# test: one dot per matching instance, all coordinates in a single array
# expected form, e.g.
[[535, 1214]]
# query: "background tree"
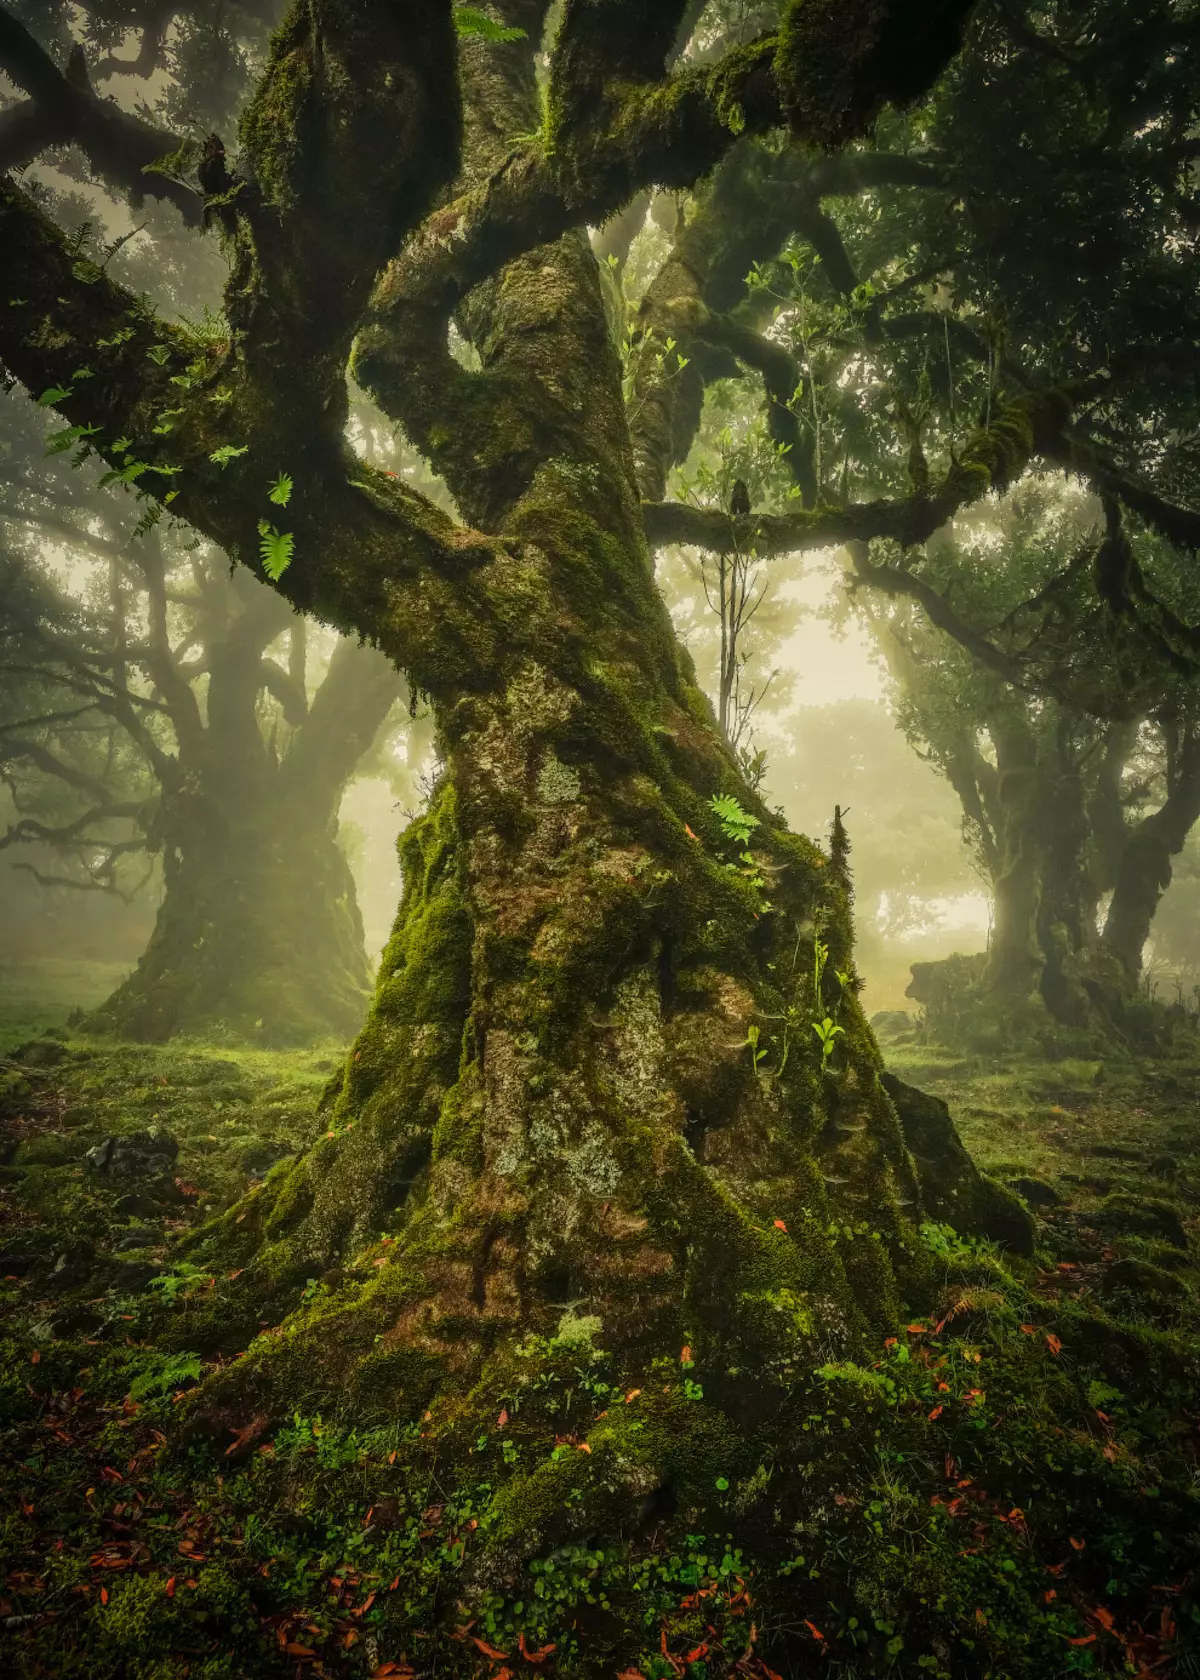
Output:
[[616, 1059], [188, 693]]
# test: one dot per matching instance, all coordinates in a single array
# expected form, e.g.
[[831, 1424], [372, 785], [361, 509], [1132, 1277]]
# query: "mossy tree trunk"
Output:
[[588, 1101], [258, 935]]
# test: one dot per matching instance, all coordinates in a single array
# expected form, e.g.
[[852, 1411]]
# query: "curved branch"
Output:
[[63, 109]]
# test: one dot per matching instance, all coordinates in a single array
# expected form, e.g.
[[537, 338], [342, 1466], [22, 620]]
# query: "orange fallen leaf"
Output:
[[780, 1226], [698, 1654], [1087, 1639], [104, 1595], [502, 1419], [936, 1413], [35, 1358], [685, 1356], [980, 1617], [169, 1589], [689, 832], [1050, 1595], [533, 1656], [294, 1649], [489, 1650], [583, 1447], [1076, 1545], [630, 1398], [815, 1631], [1053, 1343]]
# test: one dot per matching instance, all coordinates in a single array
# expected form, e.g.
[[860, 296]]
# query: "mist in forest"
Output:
[[599, 839]]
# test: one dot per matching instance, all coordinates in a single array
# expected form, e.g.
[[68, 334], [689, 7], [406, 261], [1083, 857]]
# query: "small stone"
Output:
[[1141, 1216], [1138, 1277], [1035, 1192], [261, 1157], [134, 1153]]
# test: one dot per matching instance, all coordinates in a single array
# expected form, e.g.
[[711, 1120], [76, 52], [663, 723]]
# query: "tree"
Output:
[[590, 1078], [151, 721], [1079, 781]]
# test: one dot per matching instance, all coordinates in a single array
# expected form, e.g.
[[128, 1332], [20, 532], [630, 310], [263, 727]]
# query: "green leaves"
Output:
[[55, 395], [165, 1372], [468, 20], [736, 824], [58, 442], [228, 452], [281, 491], [275, 550]]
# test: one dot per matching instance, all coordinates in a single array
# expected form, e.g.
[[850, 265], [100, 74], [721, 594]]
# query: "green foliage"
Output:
[[469, 20], [162, 1373], [228, 452], [275, 550], [281, 491], [736, 824]]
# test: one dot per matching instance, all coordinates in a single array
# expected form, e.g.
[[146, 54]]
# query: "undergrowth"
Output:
[[1005, 1486]]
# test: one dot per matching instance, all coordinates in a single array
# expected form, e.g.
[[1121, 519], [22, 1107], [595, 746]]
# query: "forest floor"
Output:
[[123, 1553]]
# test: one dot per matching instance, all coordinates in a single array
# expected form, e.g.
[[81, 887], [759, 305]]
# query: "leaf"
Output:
[[295, 1650], [1053, 1343], [275, 550], [281, 491], [228, 452], [815, 1631], [53, 396], [780, 1226], [489, 1650], [468, 20]]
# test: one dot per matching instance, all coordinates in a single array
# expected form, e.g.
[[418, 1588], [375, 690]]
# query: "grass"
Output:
[[38, 994], [1005, 1489]]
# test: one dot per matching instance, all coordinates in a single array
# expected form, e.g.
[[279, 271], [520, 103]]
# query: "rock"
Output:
[[41, 1052], [1035, 1192], [1140, 1216], [261, 1157], [892, 1021], [143, 1236], [16, 1262], [952, 1187], [132, 1276], [135, 1206], [72, 1269], [77, 1321], [1137, 1277], [134, 1153]]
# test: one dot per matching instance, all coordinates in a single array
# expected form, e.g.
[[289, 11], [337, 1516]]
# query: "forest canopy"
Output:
[[614, 1295]]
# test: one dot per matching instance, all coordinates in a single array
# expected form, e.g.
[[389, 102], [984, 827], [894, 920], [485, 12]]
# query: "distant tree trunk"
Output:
[[1145, 868], [259, 933], [1015, 959]]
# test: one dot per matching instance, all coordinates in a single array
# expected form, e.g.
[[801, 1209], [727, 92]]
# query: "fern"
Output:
[[281, 491], [736, 824], [468, 20], [169, 1371], [227, 452], [275, 550]]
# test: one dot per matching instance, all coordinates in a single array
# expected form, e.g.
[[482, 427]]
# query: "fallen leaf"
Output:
[[689, 833], [502, 1419], [936, 1413], [295, 1650], [489, 1650], [685, 1356], [1053, 1343], [815, 1631], [533, 1656], [779, 1226], [1076, 1545], [583, 1447], [980, 1617], [169, 1589], [35, 1358], [1087, 1639], [632, 1396]]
